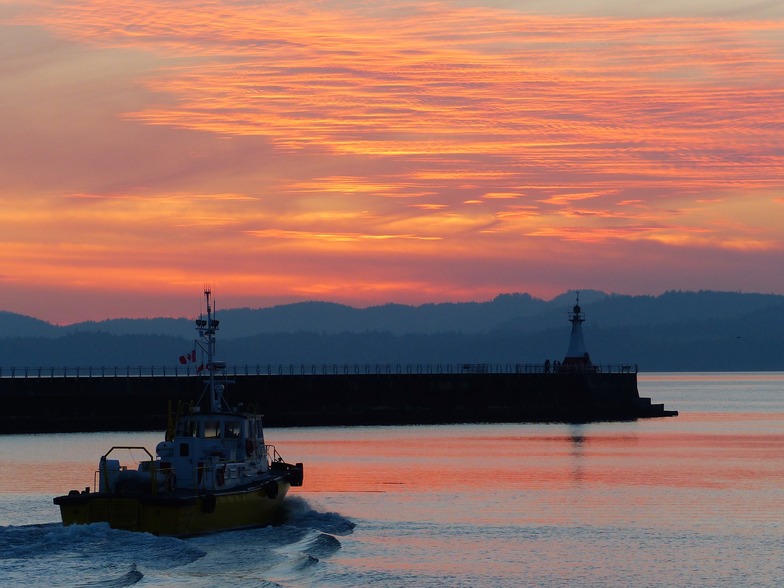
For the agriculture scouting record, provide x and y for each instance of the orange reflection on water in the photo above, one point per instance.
(701, 468)
(667, 473)
(695, 451)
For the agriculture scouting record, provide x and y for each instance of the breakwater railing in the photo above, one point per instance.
(314, 369)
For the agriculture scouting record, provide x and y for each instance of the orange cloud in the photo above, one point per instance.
(312, 237)
(253, 132)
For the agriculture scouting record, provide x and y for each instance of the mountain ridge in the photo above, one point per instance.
(675, 331)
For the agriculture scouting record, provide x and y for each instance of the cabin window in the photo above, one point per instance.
(232, 429)
(184, 449)
(212, 429)
(188, 428)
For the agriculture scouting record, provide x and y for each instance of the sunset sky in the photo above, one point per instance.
(385, 151)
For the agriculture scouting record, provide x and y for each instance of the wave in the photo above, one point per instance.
(86, 555)
(30, 541)
(128, 579)
(299, 513)
(291, 552)
(323, 545)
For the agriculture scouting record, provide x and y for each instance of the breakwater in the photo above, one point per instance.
(106, 399)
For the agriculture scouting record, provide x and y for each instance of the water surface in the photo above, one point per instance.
(696, 500)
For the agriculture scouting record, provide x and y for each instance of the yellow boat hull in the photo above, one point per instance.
(175, 514)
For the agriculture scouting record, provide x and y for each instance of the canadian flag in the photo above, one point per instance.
(188, 358)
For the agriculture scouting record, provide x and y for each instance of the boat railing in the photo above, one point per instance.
(103, 473)
(130, 448)
(314, 369)
(272, 454)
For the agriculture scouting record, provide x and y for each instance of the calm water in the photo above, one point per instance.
(696, 500)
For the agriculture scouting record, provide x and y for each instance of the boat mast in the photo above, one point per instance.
(207, 329)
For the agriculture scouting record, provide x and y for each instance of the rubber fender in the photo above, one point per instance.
(271, 488)
(208, 503)
(296, 474)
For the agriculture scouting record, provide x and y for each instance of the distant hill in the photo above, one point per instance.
(328, 317)
(19, 325)
(676, 331)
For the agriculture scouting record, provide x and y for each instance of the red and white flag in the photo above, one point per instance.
(188, 358)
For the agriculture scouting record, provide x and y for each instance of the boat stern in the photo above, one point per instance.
(293, 474)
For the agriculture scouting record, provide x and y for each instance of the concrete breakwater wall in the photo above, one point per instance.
(106, 403)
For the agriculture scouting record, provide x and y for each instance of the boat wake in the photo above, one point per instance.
(289, 553)
(292, 551)
(129, 579)
(86, 555)
(298, 512)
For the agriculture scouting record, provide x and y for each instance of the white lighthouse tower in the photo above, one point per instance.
(577, 357)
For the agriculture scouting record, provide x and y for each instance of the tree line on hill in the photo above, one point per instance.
(675, 331)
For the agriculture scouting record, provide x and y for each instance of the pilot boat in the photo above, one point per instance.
(213, 472)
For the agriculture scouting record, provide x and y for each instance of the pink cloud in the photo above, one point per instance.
(438, 132)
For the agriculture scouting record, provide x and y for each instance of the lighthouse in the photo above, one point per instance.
(577, 358)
